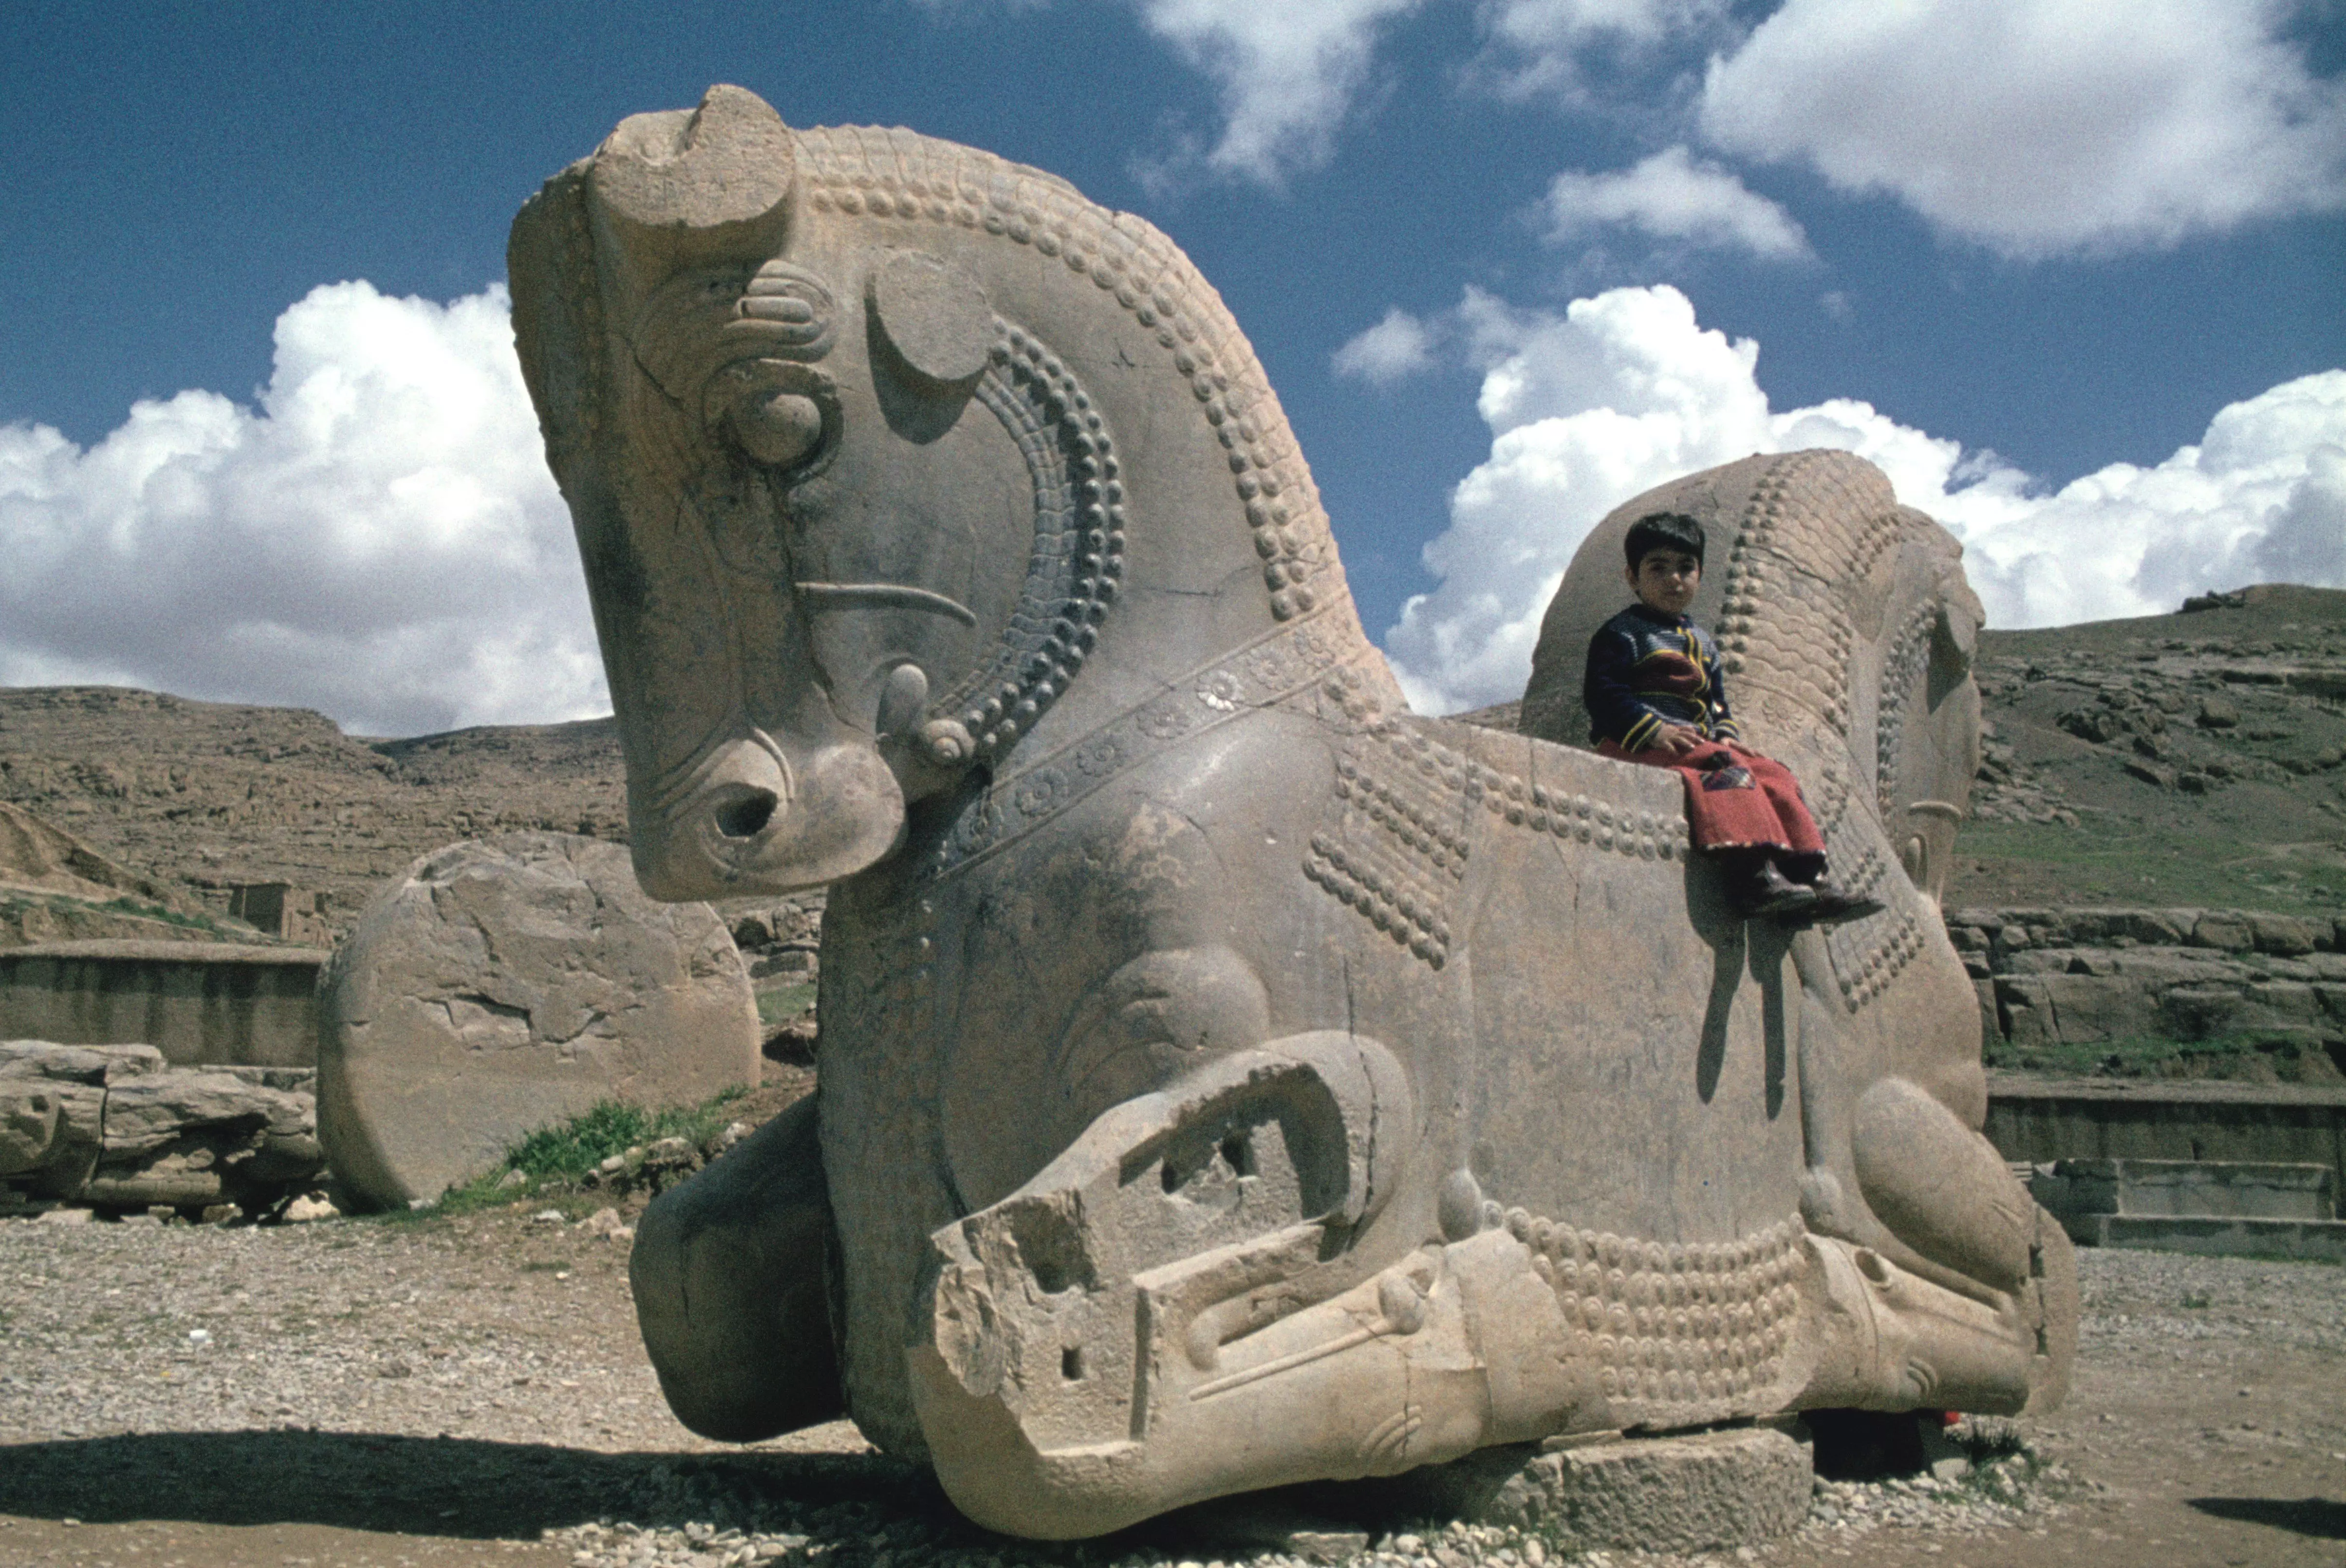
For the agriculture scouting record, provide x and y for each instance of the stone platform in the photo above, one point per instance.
(1697, 1493)
(2039, 1121)
(2222, 1207)
(200, 1004)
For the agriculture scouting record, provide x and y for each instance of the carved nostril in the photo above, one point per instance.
(744, 818)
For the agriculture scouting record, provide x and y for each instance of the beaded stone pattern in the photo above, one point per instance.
(1676, 1333)
(1072, 577)
(1816, 524)
(1901, 679)
(1396, 840)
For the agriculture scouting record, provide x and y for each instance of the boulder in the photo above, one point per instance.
(507, 983)
(2285, 934)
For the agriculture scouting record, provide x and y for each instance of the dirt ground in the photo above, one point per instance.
(367, 1392)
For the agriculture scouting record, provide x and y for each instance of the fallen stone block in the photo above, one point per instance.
(96, 1065)
(111, 1125)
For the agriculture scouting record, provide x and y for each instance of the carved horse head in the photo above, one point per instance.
(869, 432)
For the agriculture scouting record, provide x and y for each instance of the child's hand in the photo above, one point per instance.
(1677, 739)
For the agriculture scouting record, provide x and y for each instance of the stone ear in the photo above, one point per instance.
(933, 314)
(721, 171)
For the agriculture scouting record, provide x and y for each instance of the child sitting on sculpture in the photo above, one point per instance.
(1655, 695)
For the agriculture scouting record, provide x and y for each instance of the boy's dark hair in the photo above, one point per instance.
(1663, 531)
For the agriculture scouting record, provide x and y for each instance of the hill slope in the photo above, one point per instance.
(2190, 759)
(210, 795)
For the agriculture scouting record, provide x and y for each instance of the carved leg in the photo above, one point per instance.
(1882, 1338)
(1174, 1310)
(730, 1276)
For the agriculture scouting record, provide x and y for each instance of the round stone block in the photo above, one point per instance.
(507, 983)
(1699, 1493)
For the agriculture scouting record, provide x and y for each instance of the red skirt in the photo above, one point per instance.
(1737, 799)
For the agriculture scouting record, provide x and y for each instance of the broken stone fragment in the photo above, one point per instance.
(111, 1124)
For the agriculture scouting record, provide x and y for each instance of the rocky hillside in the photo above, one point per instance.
(2197, 759)
(2184, 760)
(207, 796)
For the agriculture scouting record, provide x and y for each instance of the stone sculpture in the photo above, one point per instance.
(502, 984)
(1227, 1077)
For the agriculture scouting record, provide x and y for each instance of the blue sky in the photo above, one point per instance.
(2075, 273)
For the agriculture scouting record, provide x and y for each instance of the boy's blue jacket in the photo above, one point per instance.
(1647, 669)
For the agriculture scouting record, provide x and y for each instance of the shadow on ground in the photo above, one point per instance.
(2314, 1516)
(438, 1486)
(465, 1487)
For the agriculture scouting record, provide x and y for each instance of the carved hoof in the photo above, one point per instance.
(730, 1277)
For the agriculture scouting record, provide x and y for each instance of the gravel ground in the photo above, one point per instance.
(413, 1392)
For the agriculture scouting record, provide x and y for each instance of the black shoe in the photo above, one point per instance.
(1767, 893)
(1834, 904)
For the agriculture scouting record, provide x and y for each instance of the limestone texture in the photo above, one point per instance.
(1228, 1077)
(507, 983)
(1699, 1492)
(2230, 993)
(116, 1127)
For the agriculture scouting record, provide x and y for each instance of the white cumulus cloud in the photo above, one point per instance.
(1563, 46)
(1671, 197)
(379, 538)
(1625, 391)
(2040, 127)
(1397, 347)
(1287, 73)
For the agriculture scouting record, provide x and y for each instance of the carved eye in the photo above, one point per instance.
(777, 412)
(781, 429)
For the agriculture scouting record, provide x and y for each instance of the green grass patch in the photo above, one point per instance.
(2103, 864)
(553, 1158)
(18, 901)
(131, 906)
(2248, 1056)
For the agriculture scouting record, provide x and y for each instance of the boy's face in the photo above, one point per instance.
(1665, 580)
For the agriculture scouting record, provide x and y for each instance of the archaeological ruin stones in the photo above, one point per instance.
(113, 1126)
(1228, 1077)
(504, 985)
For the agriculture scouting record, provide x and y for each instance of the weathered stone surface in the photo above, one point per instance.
(53, 1105)
(1696, 1493)
(2085, 977)
(113, 1125)
(200, 1003)
(948, 546)
(504, 985)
